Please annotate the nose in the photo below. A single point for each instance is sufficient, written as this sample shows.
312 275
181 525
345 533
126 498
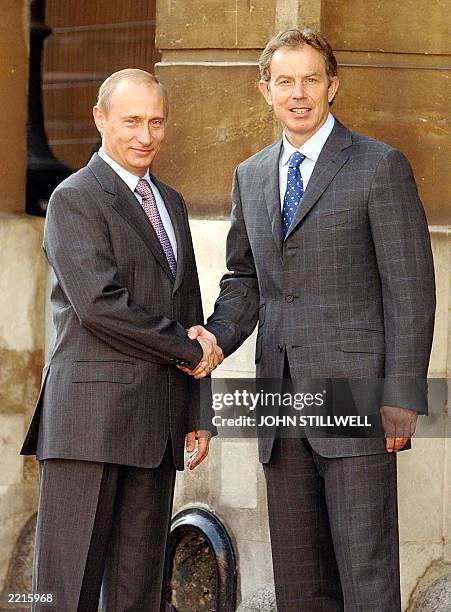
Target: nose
298 89
144 135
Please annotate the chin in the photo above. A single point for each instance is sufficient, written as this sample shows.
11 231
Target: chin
141 164
306 127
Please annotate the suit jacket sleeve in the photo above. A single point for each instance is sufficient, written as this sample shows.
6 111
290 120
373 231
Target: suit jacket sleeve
236 309
77 246
402 244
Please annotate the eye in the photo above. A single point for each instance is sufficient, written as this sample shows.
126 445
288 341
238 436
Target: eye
156 123
311 80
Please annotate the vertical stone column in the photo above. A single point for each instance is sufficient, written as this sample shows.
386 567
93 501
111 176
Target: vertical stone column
22 279
209 65
14 35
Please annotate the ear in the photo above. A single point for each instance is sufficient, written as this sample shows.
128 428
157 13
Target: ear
99 118
264 88
332 89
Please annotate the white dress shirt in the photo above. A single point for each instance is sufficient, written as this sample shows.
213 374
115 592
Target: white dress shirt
311 149
131 180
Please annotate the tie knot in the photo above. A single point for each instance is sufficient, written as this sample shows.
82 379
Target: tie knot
296 160
143 188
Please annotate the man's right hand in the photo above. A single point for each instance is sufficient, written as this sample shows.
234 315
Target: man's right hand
212 356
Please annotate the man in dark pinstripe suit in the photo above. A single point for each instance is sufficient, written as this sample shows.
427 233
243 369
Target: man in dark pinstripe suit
329 250
114 412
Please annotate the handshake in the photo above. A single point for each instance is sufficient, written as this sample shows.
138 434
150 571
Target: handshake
212 356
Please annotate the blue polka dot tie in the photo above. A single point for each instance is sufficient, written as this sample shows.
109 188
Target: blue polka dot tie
294 192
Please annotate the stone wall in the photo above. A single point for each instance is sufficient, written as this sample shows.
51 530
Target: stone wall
394 87
22 279
22 282
388 60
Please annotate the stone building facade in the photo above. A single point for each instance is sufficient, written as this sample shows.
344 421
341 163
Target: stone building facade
394 71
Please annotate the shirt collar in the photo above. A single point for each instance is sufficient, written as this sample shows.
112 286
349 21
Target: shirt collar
312 148
131 180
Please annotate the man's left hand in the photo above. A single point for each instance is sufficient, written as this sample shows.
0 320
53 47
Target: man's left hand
399 425
201 451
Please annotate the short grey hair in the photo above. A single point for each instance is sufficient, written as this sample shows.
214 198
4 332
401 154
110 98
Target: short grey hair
108 86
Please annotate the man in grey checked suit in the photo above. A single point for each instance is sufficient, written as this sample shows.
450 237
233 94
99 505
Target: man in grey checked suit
342 285
114 412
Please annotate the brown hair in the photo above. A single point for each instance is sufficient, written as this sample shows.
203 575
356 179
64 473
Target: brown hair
294 37
128 74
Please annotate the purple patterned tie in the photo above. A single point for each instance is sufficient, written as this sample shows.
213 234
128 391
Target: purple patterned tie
150 208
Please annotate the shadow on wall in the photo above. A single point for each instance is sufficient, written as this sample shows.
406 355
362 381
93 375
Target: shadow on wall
18 577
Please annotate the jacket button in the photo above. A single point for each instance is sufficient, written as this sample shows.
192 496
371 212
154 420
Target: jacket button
280 347
289 298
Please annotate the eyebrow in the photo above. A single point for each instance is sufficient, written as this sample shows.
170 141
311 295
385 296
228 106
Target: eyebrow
306 76
139 117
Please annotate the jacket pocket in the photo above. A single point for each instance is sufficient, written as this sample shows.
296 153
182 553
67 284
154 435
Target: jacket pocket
102 371
338 217
362 341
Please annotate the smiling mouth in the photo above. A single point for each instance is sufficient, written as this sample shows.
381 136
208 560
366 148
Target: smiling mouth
302 110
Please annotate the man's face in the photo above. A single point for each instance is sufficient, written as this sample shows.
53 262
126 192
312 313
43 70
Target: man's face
133 128
299 91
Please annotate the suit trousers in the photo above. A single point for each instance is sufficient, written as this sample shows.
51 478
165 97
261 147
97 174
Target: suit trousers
334 530
102 526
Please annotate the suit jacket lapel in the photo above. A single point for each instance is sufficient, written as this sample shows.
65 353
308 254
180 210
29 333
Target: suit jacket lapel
174 209
270 178
125 203
333 156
